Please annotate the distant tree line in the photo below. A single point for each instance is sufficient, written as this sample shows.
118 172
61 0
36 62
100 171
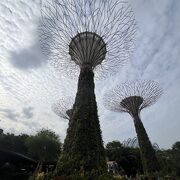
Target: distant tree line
45 145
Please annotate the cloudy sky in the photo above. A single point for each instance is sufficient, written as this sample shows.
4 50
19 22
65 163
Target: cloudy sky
29 85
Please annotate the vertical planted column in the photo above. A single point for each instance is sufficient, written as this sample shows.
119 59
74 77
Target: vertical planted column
149 159
83 146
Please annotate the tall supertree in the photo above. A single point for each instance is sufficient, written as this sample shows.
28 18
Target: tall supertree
132 97
84 36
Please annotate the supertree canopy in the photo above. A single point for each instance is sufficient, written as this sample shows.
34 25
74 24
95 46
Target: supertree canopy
133 143
86 35
99 33
132 97
63 107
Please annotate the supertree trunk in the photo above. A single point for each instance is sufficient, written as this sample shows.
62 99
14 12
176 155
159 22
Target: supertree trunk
83 151
149 159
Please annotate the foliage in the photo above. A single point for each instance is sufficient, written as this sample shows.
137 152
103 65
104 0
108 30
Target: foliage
148 155
43 176
40 176
12 142
176 146
78 177
114 145
170 161
44 146
128 159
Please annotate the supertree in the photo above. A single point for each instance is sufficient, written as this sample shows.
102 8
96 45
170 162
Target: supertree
86 35
131 97
133 143
63 107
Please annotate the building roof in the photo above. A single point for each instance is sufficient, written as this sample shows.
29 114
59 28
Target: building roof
14 157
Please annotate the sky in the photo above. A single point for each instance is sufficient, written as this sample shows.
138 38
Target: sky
29 85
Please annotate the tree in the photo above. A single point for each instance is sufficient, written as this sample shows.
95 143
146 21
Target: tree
170 161
13 142
132 97
175 156
114 150
128 158
44 146
114 145
176 146
1 131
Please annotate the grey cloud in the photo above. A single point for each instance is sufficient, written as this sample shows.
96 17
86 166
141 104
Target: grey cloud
28 58
31 125
28 112
10 114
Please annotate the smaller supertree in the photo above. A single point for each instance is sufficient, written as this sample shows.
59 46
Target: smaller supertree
133 143
132 97
63 108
